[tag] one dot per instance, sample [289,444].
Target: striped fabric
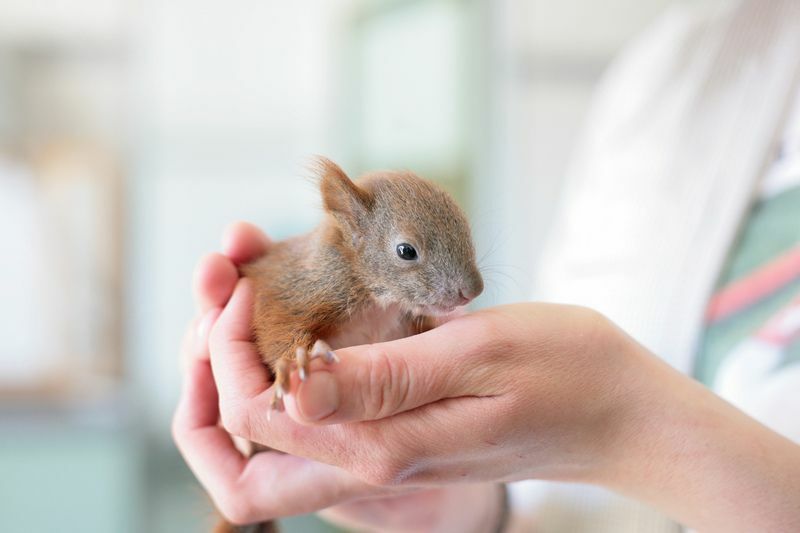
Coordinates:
[752,338]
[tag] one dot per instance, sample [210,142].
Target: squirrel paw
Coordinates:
[303,358]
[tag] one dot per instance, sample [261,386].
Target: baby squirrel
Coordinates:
[392,252]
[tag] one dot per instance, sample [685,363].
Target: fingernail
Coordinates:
[320,396]
[204,325]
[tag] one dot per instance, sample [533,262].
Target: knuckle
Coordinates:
[590,315]
[493,340]
[235,420]
[595,325]
[386,384]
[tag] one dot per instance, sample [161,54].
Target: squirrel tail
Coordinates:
[263,527]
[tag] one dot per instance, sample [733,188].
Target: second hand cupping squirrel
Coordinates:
[393,252]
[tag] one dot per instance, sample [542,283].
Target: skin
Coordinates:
[529,391]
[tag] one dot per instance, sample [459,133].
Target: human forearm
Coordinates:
[704,462]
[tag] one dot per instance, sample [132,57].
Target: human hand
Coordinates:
[271,484]
[268,484]
[462,402]
[518,392]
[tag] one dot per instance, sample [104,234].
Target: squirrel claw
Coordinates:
[276,404]
[323,350]
[301,356]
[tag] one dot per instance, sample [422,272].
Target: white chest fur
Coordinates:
[374,324]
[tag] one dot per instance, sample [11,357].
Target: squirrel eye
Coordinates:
[406,251]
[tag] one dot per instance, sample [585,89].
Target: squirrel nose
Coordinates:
[463,299]
[471,290]
[467,293]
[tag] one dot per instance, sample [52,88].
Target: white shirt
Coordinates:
[679,136]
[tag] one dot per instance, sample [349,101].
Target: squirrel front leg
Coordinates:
[303,355]
[299,351]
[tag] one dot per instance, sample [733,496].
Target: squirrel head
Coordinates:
[411,242]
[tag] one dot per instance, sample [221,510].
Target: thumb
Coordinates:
[380,380]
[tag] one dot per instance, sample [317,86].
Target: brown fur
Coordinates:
[310,287]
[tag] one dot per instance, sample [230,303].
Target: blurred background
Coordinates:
[133,131]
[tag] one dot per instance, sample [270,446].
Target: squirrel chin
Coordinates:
[436,310]
[416,309]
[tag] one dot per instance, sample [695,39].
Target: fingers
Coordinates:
[243,242]
[266,486]
[381,380]
[417,379]
[207,448]
[214,278]
[286,485]
[216,274]
[238,370]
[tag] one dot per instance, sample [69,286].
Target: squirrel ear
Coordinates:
[341,197]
